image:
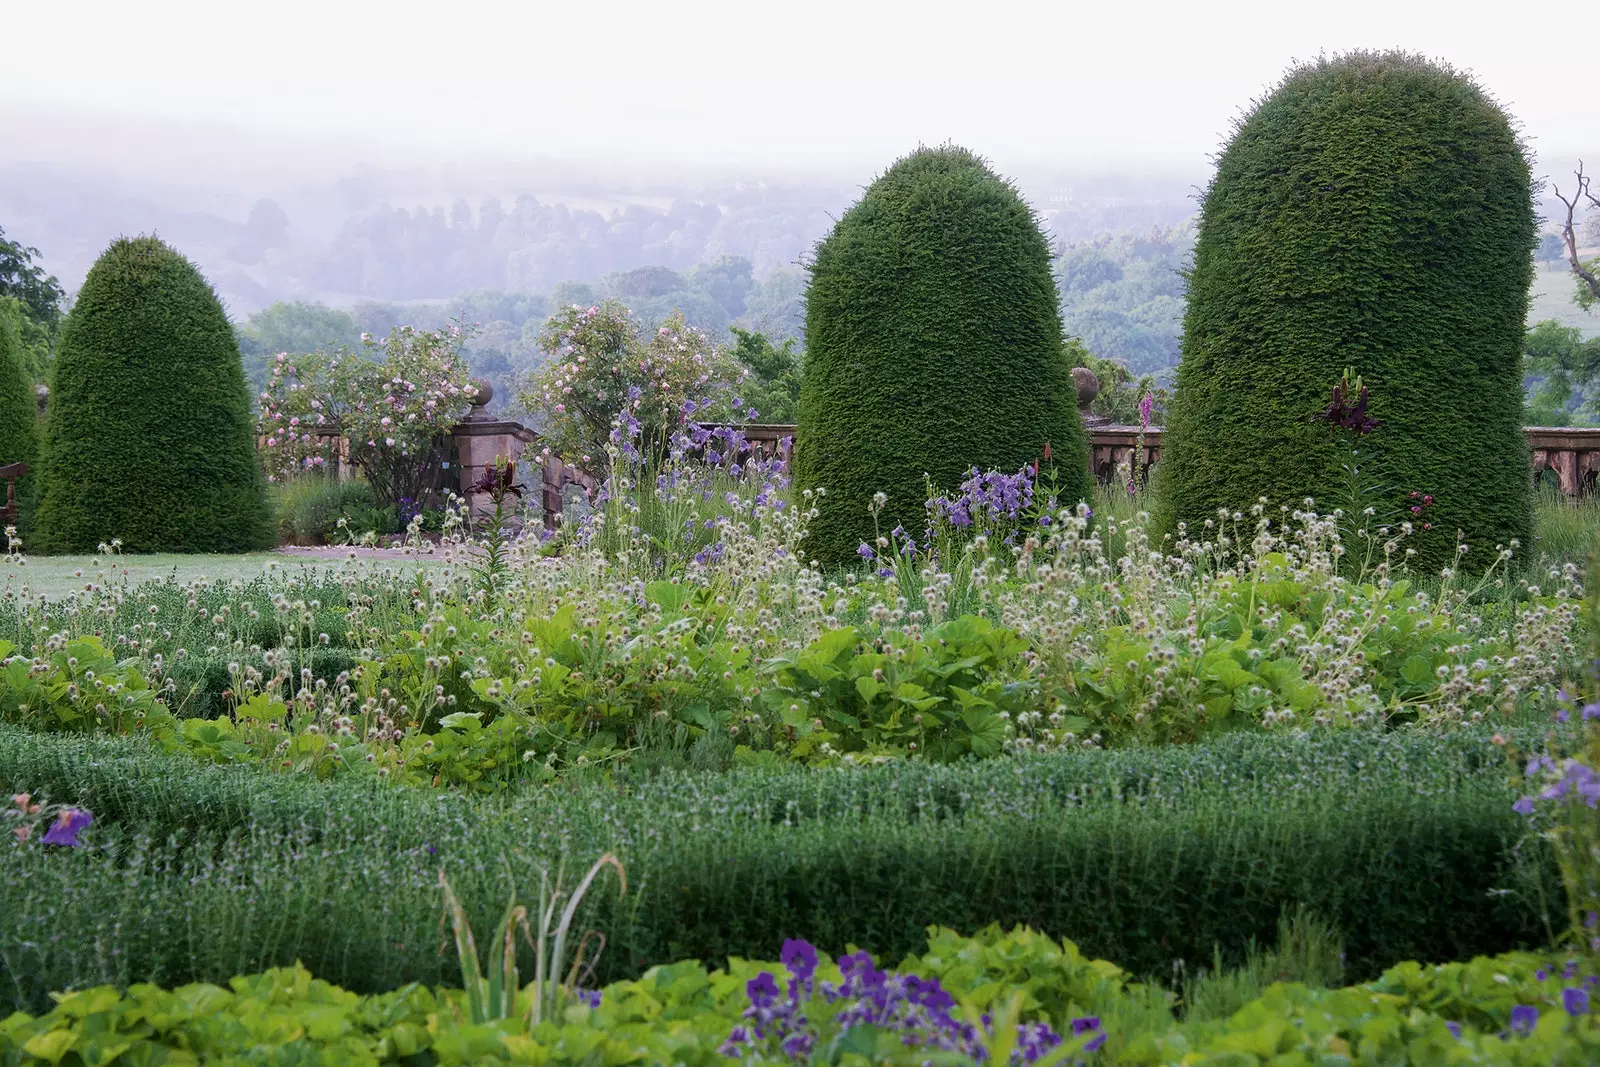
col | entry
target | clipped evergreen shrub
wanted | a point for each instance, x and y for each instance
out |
(1374, 211)
(933, 344)
(19, 421)
(150, 437)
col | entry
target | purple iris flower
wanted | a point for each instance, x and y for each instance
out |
(1575, 1000)
(1523, 1019)
(67, 826)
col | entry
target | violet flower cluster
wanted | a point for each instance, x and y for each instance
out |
(1571, 779)
(917, 1009)
(986, 496)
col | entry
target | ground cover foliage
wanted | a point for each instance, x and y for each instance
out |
(1406, 843)
(1374, 212)
(1039, 1001)
(933, 343)
(149, 439)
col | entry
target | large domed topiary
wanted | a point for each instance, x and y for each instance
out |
(1374, 212)
(19, 419)
(933, 344)
(149, 437)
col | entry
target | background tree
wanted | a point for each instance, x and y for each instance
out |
(150, 437)
(1587, 272)
(1568, 367)
(40, 297)
(772, 387)
(934, 344)
(19, 440)
(1375, 212)
(293, 328)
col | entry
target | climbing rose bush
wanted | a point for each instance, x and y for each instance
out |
(604, 368)
(390, 400)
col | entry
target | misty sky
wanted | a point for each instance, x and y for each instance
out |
(814, 83)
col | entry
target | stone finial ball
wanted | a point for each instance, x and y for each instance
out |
(486, 392)
(1088, 385)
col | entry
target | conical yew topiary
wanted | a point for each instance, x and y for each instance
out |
(149, 437)
(933, 345)
(19, 441)
(1373, 212)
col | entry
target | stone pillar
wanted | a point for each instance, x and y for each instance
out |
(482, 439)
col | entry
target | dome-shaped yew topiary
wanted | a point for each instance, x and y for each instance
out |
(1374, 212)
(19, 420)
(933, 344)
(149, 437)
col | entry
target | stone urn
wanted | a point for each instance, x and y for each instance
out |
(1088, 388)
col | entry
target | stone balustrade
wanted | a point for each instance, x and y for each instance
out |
(1567, 456)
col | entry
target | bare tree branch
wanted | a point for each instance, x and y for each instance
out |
(1569, 234)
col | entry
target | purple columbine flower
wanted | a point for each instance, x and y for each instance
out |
(67, 827)
(1576, 1000)
(1524, 1017)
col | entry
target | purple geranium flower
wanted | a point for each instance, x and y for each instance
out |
(1575, 999)
(67, 827)
(1523, 1019)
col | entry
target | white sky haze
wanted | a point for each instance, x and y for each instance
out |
(827, 84)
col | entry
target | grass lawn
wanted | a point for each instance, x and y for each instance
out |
(58, 576)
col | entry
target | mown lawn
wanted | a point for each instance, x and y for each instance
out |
(58, 576)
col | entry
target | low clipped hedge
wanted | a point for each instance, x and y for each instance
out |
(1406, 842)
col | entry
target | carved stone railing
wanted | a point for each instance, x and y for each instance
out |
(1572, 452)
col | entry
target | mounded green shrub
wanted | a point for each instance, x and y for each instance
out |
(150, 437)
(19, 429)
(933, 344)
(1374, 211)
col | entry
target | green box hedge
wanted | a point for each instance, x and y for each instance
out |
(1406, 842)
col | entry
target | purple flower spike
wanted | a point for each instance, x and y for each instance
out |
(66, 828)
(1575, 1000)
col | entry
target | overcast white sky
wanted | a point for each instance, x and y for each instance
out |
(818, 83)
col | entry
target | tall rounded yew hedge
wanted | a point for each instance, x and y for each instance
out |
(1375, 212)
(19, 420)
(149, 437)
(933, 344)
